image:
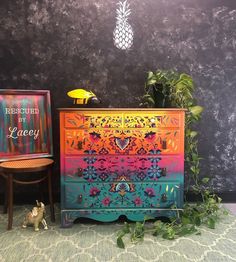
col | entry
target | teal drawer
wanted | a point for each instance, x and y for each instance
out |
(122, 194)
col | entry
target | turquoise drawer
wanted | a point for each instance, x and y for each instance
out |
(133, 168)
(122, 194)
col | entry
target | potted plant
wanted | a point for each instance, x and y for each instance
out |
(171, 89)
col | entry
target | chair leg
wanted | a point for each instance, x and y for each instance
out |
(5, 197)
(50, 194)
(10, 200)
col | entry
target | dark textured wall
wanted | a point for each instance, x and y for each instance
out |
(63, 44)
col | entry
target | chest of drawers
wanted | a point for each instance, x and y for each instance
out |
(121, 162)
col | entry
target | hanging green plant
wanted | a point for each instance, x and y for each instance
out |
(171, 89)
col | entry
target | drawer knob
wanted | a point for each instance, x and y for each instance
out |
(163, 171)
(164, 197)
(80, 199)
(80, 145)
(80, 172)
(164, 144)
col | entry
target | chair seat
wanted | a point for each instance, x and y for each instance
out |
(26, 165)
(9, 168)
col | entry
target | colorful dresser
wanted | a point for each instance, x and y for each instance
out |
(121, 162)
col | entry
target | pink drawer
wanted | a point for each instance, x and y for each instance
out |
(130, 168)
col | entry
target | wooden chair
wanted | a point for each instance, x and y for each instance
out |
(10, 168)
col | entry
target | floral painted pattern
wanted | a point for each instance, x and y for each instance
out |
(90, 152)
(117, 161)
(123, 142)
(103, 151)
(138, 201)
(142, 175)
(103, 176)
(141, 151)
(94, 191)
(122, 195)
(106, 201)
(154, 172)
(94, 137)
(89, 173)
(90, 160)
(155, 151)
(150, 192)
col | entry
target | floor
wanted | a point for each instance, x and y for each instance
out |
(96, 242)
(231, 207)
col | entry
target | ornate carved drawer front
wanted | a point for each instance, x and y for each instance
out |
(121, 194)
(93, 168)
(121, 162)
(151, 120)
(81, 120)
(128, 142)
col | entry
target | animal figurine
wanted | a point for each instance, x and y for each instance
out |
(83, 97)
(36, 216)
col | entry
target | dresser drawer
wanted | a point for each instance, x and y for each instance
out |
(130, 168)
(121, 195)
(150, 120)
(92, 120)
(123, 142)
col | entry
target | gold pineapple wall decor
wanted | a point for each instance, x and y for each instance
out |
(123, 32)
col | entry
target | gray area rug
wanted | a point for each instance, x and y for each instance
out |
(91, 241)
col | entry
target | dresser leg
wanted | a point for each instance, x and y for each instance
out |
(67, 219)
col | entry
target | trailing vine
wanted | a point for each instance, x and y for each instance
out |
(171, 89)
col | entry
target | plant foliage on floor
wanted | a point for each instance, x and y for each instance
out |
(170, 89)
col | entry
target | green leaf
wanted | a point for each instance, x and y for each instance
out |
(196, 110)
(211, 223)
(186, 220)
(120, 242)
(196, 189)
(197, 221)
(194, 157)
(138, 232)
(150, 100)
(225, 212)
(146, 96)
(205, 180)
(169, 234)
(193, 134)
(186, 230)
(146, 217)
(126, 228)
(151, 82)
(150, 75)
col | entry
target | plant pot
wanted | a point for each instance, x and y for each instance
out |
(161, 100)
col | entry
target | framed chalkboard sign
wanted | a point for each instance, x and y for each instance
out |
(25, 124)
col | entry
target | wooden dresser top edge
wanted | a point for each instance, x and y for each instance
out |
(121, 109)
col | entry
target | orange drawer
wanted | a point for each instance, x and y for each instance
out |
(132, 120)
(86, 120)
(124, 142)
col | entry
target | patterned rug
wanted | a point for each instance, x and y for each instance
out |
(91, 241)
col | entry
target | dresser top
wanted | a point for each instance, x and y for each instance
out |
(120, 109)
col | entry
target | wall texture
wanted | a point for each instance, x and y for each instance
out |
(64, 44)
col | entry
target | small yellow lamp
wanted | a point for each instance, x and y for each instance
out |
(82, 97)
